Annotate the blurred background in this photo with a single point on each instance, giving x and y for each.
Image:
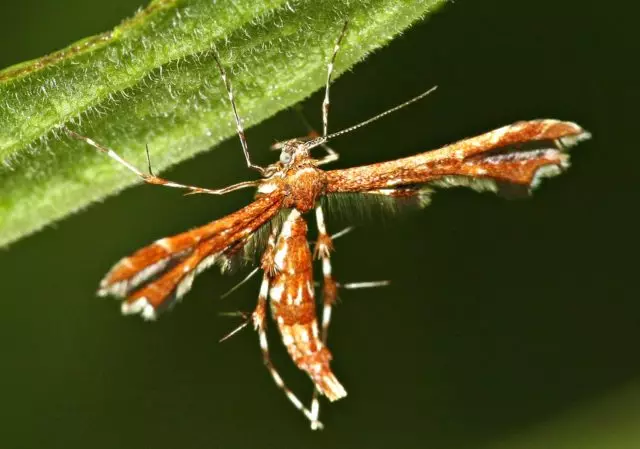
(508, 324)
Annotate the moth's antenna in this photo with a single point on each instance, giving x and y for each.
(376, 117)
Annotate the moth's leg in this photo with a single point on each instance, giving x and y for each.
(152, 179)
(342, 232)
(345, 286)
(337, 235)
(239, 128)
(323, 248)
(365, 284)
(246, 320)
(241, 283)
(331, 155)
(325, 103)
(259, 321)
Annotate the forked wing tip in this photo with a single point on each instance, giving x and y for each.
(116, 289)
(139, 306)
(571, 140)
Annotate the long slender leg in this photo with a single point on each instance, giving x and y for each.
(152, 179)
(325, 103)
(239, 128)
(242, 325)
(337, 235)
(365, 284)
(342, 232)
(324, 245)
(347, 286)
(332, 155)
(239, 284)
(323, 248)
(259, 322)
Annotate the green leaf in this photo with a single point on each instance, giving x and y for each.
(153, 80)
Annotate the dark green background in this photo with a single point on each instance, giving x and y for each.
(507, 324)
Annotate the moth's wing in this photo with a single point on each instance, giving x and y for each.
(169, 265)
(516, 155)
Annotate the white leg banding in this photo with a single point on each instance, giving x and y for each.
(325, 103)
(328, 298)
(151, 179)
(239, 128)
(258, 320)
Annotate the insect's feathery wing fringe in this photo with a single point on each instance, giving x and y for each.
(162, 293)
(191, 252)
(493, 156)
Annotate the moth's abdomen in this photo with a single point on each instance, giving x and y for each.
(293, 307)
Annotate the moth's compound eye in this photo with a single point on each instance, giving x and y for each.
(285, 157)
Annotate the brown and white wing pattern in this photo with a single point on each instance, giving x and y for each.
(293, 306)
(163, 271)
(518, 154)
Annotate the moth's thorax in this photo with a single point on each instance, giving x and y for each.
(297, 176)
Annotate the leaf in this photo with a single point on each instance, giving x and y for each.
(153, 80)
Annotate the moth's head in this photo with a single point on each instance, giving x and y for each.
(293, 152)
